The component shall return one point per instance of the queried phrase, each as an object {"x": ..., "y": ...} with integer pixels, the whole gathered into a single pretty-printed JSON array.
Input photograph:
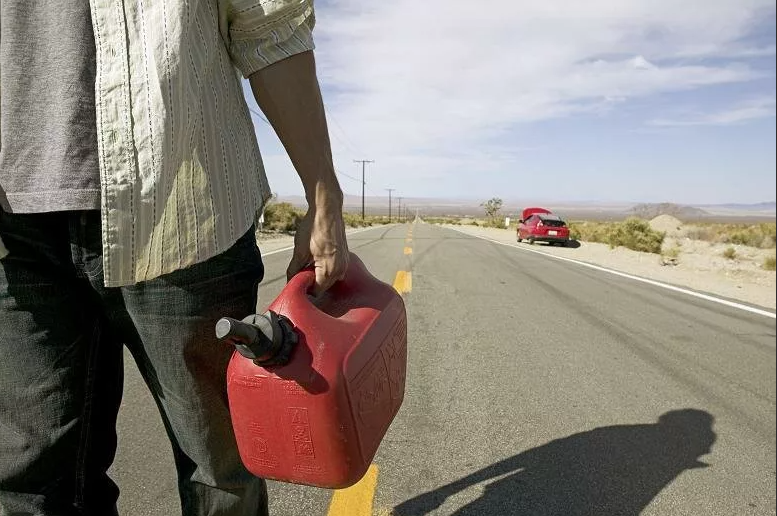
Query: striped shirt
[{"x": 180, "y": 170}]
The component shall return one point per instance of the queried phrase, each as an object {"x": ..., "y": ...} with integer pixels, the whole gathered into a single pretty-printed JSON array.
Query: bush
[
  {"x": 443, "y": 220},
  {"x": 730, "y": 253},
  {"x": 637, "y": 235},
  {"x": 492, "y": 207},
  {"x": 763, "y": 235},
  {"x": 285, "y": 217},
  {"x": 673, "y": 252},
  {"x": 756, "y": 235},
  {"x": 355, "y": 221},
  {"x": 590, "y": 231},
  {"x": 282, "y": 216},
  {"x": 633, "y": 233},
  {"x": 705, "y": 233},
  {"x": 494, "y": 223},
  {"x": 769, "y": 263}
]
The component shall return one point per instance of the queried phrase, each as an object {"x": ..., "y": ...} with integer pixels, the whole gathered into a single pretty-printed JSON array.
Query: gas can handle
[{"x": 302, "y": 283}]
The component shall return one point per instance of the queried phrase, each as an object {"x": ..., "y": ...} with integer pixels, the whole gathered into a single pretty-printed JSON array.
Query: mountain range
[{"x": 431, "y": 206}]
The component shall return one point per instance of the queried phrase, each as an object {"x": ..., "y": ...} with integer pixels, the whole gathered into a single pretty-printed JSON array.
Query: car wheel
[{"x": 531, "y": 241}]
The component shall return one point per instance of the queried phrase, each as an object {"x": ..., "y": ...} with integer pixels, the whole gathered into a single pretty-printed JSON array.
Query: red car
[{"x": 541, "y": 225}]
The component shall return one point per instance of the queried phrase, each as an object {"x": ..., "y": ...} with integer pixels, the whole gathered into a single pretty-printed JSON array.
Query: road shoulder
[{"x": 748, "y": 286}]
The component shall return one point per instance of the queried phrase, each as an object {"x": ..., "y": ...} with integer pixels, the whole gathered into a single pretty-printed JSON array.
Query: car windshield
[{"x": 552, "y": 220}]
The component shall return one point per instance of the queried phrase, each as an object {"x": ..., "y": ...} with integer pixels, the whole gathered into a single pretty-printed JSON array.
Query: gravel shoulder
[
  {"x": 269, "y": 242},
  {"x": 701, "y": 266}
]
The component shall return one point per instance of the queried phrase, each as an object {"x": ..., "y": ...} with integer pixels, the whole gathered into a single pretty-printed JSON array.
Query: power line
[
  {"x": 339, "y": 172},
  {"x": 258, "y": 114},
  {"x": 345, "y": 138},
  {"x": 263, "y": 119},
  {"x": 346, "y": 175}
]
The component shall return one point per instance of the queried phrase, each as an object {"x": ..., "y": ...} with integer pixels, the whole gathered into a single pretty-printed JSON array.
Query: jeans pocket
[{"x": 93, "y": 268}]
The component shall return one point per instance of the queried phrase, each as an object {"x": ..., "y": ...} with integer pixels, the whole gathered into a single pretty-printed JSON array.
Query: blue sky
[{"x": 606, "y": 100}]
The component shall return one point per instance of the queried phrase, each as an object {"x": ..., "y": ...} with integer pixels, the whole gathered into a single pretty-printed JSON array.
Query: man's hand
[
  {"x": 289, "y": 94},
  {"x": 320, "y": 240}
]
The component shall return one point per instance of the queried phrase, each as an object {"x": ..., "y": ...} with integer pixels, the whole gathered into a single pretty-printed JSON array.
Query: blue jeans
[{"x": 62, "y": 334}]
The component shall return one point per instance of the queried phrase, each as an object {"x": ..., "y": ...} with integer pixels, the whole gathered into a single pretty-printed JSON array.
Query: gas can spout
[{"x": 267, "y": 339}]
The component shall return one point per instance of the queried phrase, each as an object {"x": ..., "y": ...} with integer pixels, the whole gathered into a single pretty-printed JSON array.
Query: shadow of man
[{"x": 609, "y": 471}]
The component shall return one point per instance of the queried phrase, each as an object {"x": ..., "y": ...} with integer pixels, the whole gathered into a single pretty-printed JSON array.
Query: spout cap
[{"x": 265, "y": 339}]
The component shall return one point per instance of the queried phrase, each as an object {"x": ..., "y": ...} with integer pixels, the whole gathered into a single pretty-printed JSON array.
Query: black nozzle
[{"x": 268, "y": 339}]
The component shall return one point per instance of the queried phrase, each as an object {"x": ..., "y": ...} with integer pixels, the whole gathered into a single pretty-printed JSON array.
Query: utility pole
[
  {"x": 363, "y": 162},
  {"x": 389, "y": 191},
  {"x": 399, "y": 209}
]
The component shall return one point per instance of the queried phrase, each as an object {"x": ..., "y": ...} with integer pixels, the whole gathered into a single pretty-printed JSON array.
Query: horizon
[
  {"x": 470, "y": 208},
  {"x": 512, "y": 200}
]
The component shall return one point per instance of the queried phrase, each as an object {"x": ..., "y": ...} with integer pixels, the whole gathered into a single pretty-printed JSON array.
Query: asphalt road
[{"x": 536, "y": 387}]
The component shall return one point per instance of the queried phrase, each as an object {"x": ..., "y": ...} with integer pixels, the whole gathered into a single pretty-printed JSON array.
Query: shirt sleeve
[{"x": 259, "y": 33}]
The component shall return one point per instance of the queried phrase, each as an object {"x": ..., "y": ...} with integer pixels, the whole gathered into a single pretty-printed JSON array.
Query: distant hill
[
  {"x": 760, "y": 206},
  {"x": 577, "y": 210},
  {"x": 652, "y": 210}
]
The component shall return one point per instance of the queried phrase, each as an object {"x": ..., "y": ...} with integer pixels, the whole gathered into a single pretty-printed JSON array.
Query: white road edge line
[
  {"x": 289, "y": 248},
  {"x": 655, "y": 283}
]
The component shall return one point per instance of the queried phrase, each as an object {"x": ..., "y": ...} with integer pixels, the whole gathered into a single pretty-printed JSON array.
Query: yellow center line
[
  {"x": 357, "y": 499},
  {"x": 403, "y": 282}
]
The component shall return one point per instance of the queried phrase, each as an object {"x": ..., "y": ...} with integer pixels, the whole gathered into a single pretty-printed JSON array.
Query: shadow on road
[{"x": 608, "y": 471}]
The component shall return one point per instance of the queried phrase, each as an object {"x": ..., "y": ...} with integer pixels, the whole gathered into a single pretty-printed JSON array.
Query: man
[{"x": 130, "y": 178}]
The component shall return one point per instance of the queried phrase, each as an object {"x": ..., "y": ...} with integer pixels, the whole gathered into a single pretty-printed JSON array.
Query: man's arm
[{"x": 289, "y": 94}]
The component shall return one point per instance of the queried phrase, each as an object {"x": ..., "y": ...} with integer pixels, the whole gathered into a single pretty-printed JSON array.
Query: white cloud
[
  {"x": 640, "y": 63},
  {"x": 753, "y": 109},
  {"x": 423, "y": 82}
]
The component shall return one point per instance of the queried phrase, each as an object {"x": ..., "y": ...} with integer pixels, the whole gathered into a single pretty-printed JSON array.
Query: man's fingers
[
  {"x": 328, "y": 272},
  {"x": 324, "y": 278},
  {"x": 322, "y": 283},
  {"x": 301, "y": 256},
  {"x": 296, "y": 264}
]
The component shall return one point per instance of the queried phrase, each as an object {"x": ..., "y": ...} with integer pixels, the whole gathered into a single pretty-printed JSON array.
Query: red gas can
[{"x": 319, "y": 419}]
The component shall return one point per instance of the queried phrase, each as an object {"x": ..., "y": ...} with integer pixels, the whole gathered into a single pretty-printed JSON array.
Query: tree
[{"x": 492, "y": 207}]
